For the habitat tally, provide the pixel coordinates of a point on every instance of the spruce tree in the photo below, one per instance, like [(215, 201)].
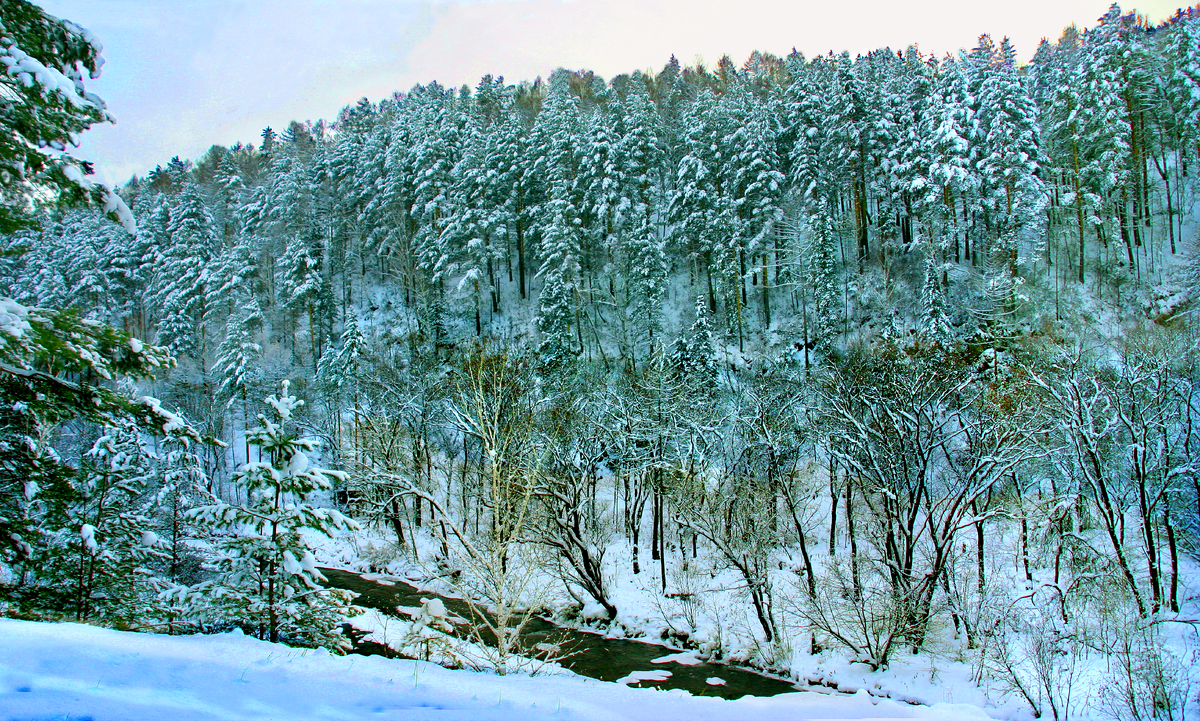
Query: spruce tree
[(559, 304), (266, 575), (109, 548)]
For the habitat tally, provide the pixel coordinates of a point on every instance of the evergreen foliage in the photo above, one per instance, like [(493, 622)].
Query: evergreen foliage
[(267, 579)]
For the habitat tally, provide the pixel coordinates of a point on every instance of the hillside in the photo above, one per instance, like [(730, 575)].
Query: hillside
[(875, 371)]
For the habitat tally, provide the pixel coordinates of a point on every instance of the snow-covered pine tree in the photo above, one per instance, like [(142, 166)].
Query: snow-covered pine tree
[(341, 367), (108, 549), (80, 358), (512, 161), (235, 275), (267, 578), (823, 279), (1009, 153), (934, 323), (341, 373), (642, 162), (472, 241), (236, 370), (699, 209), (230, 188), (951, 179), (300, 288), (436, 118), (1104, 129), (1183, 83), (45, 106), (692, 359), (601, 173), (54, 366), (759, 185), (181, 279), (562, 242)]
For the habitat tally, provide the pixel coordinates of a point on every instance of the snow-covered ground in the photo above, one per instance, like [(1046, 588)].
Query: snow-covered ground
[(75, 671)]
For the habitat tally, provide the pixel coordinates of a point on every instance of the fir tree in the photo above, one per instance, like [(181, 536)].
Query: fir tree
[(934, 322), (692, 358), (267, 577), (110, 546)]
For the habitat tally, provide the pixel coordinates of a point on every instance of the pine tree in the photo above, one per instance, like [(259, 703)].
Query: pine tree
[(1104, 129), (57, 367), (951, 178), (700, 208), (471, 243), (823, 278), (110, 548), (692, 358), (181, 279), (267, 577), (342, 370), (437, 132), (235, 275), (300, 288), (236, 368), (759, 185), (559, 304), (44, 106), (1009, 151), (934, 322), (641, 162), (1183, 81)]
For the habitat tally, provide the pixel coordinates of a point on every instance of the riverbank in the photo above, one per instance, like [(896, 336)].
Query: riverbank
[(70, 670)]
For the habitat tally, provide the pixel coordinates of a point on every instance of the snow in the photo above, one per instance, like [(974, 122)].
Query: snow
[(88, 533), (434, 607), (298, 464), (77, 671), (639, 676), (173, 422), (13, 318), (28, 70), (684, 658), (290, 564)]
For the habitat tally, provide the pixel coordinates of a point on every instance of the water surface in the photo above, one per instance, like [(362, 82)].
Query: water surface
[(589, 654)]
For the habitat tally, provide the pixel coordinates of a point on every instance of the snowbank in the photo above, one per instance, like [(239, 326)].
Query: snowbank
[(78, 671)]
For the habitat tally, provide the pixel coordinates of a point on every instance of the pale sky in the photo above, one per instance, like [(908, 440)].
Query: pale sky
[(182, 75)]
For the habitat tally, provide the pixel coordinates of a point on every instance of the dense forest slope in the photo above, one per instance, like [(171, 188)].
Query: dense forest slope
[(805, 363)]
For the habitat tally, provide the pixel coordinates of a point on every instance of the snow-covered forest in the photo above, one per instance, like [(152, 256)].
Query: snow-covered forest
[(878, 370)]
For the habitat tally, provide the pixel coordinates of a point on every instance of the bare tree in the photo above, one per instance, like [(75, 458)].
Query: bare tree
[(924, 445), (577, 524), (1131, 436)]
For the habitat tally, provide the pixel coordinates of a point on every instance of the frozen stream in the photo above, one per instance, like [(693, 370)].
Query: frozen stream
[(606, 659)]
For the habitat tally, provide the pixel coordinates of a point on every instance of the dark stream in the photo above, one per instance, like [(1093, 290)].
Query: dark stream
[(589, 654)]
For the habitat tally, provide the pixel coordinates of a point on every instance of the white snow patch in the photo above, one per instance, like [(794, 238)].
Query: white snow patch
[(88, 533), (685, 658), (640, 676)]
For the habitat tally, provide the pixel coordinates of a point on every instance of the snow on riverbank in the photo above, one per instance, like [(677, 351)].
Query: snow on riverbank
[(76, 671)]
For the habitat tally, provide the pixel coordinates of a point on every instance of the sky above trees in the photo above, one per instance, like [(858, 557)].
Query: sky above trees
[(181, 76)]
